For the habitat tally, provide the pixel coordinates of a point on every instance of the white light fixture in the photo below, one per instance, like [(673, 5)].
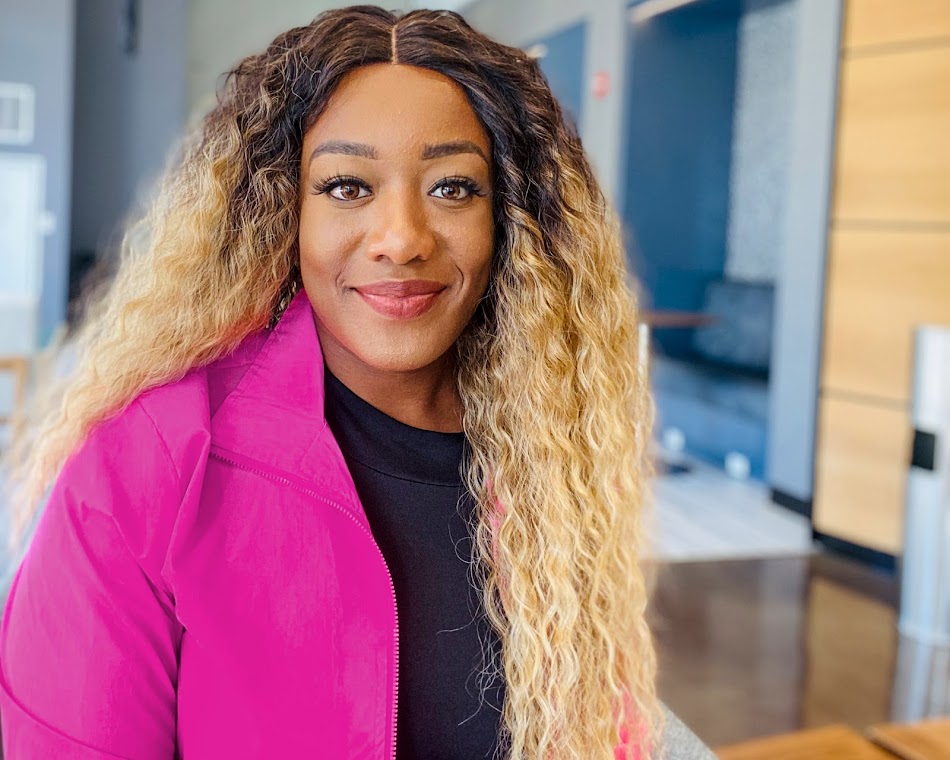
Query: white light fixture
[(538, 51), (650, 8)]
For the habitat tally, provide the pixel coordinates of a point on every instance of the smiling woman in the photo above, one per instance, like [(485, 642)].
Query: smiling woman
[(396, 236), (354, 461)]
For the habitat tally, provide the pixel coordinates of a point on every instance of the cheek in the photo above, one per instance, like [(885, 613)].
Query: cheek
[(323, 244), (476, 246), (469, 237)]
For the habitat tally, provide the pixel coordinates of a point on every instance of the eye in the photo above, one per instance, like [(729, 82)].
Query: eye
[(456, 189), (342, 188), (348, 191)]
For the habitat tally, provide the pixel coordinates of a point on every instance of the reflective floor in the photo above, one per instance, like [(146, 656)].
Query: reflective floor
[(703, 515), (752, 648)]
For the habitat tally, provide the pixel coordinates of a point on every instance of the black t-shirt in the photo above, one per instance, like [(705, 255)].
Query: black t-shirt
[(419, 509)]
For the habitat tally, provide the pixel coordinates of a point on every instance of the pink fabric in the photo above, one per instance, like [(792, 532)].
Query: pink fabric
[(206, 585), (203, 582)]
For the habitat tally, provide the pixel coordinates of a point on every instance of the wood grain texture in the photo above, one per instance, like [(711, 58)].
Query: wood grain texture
[(893, 157), (862, 458), (831, 743), (881, 285), (883, 22), (889, 259), (928, 740)]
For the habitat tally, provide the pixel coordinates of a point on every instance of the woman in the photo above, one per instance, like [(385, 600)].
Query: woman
[(377, 311)]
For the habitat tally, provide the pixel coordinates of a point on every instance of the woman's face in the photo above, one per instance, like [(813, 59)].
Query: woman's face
[(396, 228)]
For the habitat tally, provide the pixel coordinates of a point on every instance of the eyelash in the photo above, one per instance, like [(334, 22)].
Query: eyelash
[(470, 185), (324, 186)]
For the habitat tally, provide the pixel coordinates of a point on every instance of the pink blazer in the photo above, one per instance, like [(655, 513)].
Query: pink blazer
[(203, 582)]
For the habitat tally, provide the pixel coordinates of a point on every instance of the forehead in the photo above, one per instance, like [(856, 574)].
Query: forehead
[(396, 107)]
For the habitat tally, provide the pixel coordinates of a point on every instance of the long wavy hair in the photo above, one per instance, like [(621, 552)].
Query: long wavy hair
[(556, 407)]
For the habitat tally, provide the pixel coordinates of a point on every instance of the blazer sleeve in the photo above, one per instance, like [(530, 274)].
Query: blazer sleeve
[(89, 640)]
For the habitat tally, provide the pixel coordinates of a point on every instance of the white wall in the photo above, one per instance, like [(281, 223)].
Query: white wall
[(764, 81)]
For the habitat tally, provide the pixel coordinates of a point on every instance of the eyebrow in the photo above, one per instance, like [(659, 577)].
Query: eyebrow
[(440, 150), (453, 148), (345, 148)]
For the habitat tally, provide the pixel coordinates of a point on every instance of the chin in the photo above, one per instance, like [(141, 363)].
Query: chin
[(395, 356)]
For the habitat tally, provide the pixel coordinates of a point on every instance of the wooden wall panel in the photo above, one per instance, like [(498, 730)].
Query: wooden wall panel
[(888, 259), (861, 473), (881, 284), (893, 160), (881, 22)]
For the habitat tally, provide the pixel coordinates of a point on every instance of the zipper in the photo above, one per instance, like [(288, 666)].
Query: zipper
[(392, 586)]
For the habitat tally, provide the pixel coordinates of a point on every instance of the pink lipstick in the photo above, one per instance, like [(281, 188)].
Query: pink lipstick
[(401, 299)]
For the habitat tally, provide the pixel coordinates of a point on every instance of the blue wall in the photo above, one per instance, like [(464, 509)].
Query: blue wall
[(563, 65), (680, 99)]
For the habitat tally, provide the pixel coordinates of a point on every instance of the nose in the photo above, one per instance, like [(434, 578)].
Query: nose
[(401, 230)]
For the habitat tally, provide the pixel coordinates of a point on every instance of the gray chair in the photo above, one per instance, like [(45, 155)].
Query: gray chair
[(718, 395)]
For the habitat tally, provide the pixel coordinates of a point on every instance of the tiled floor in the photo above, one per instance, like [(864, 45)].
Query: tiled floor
[(705, 515)]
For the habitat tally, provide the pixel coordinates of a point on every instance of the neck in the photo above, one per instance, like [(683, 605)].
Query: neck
[(425, 398)]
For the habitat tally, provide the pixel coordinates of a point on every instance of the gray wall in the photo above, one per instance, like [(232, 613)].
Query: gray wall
[(764, 80), (796, 350), (221, 32), (36, 48), (523, 22), (130, 109)]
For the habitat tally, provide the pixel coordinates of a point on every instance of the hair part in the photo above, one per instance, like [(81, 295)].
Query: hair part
[(556, 407)]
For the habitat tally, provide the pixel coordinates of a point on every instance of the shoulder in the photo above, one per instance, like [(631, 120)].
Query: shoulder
[(140, 466), (130, 475), (177, 407), (176, 417)]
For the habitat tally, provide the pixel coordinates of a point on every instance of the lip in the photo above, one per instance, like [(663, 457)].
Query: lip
[(401, 299), (401, 288)]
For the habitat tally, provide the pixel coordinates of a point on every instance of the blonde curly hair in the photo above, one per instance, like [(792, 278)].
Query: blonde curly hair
[(556, 407)]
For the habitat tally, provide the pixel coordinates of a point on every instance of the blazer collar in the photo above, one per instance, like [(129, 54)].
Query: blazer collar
[(275, 414)]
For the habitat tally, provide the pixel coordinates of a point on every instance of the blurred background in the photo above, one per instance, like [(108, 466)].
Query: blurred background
[(782, 172)]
